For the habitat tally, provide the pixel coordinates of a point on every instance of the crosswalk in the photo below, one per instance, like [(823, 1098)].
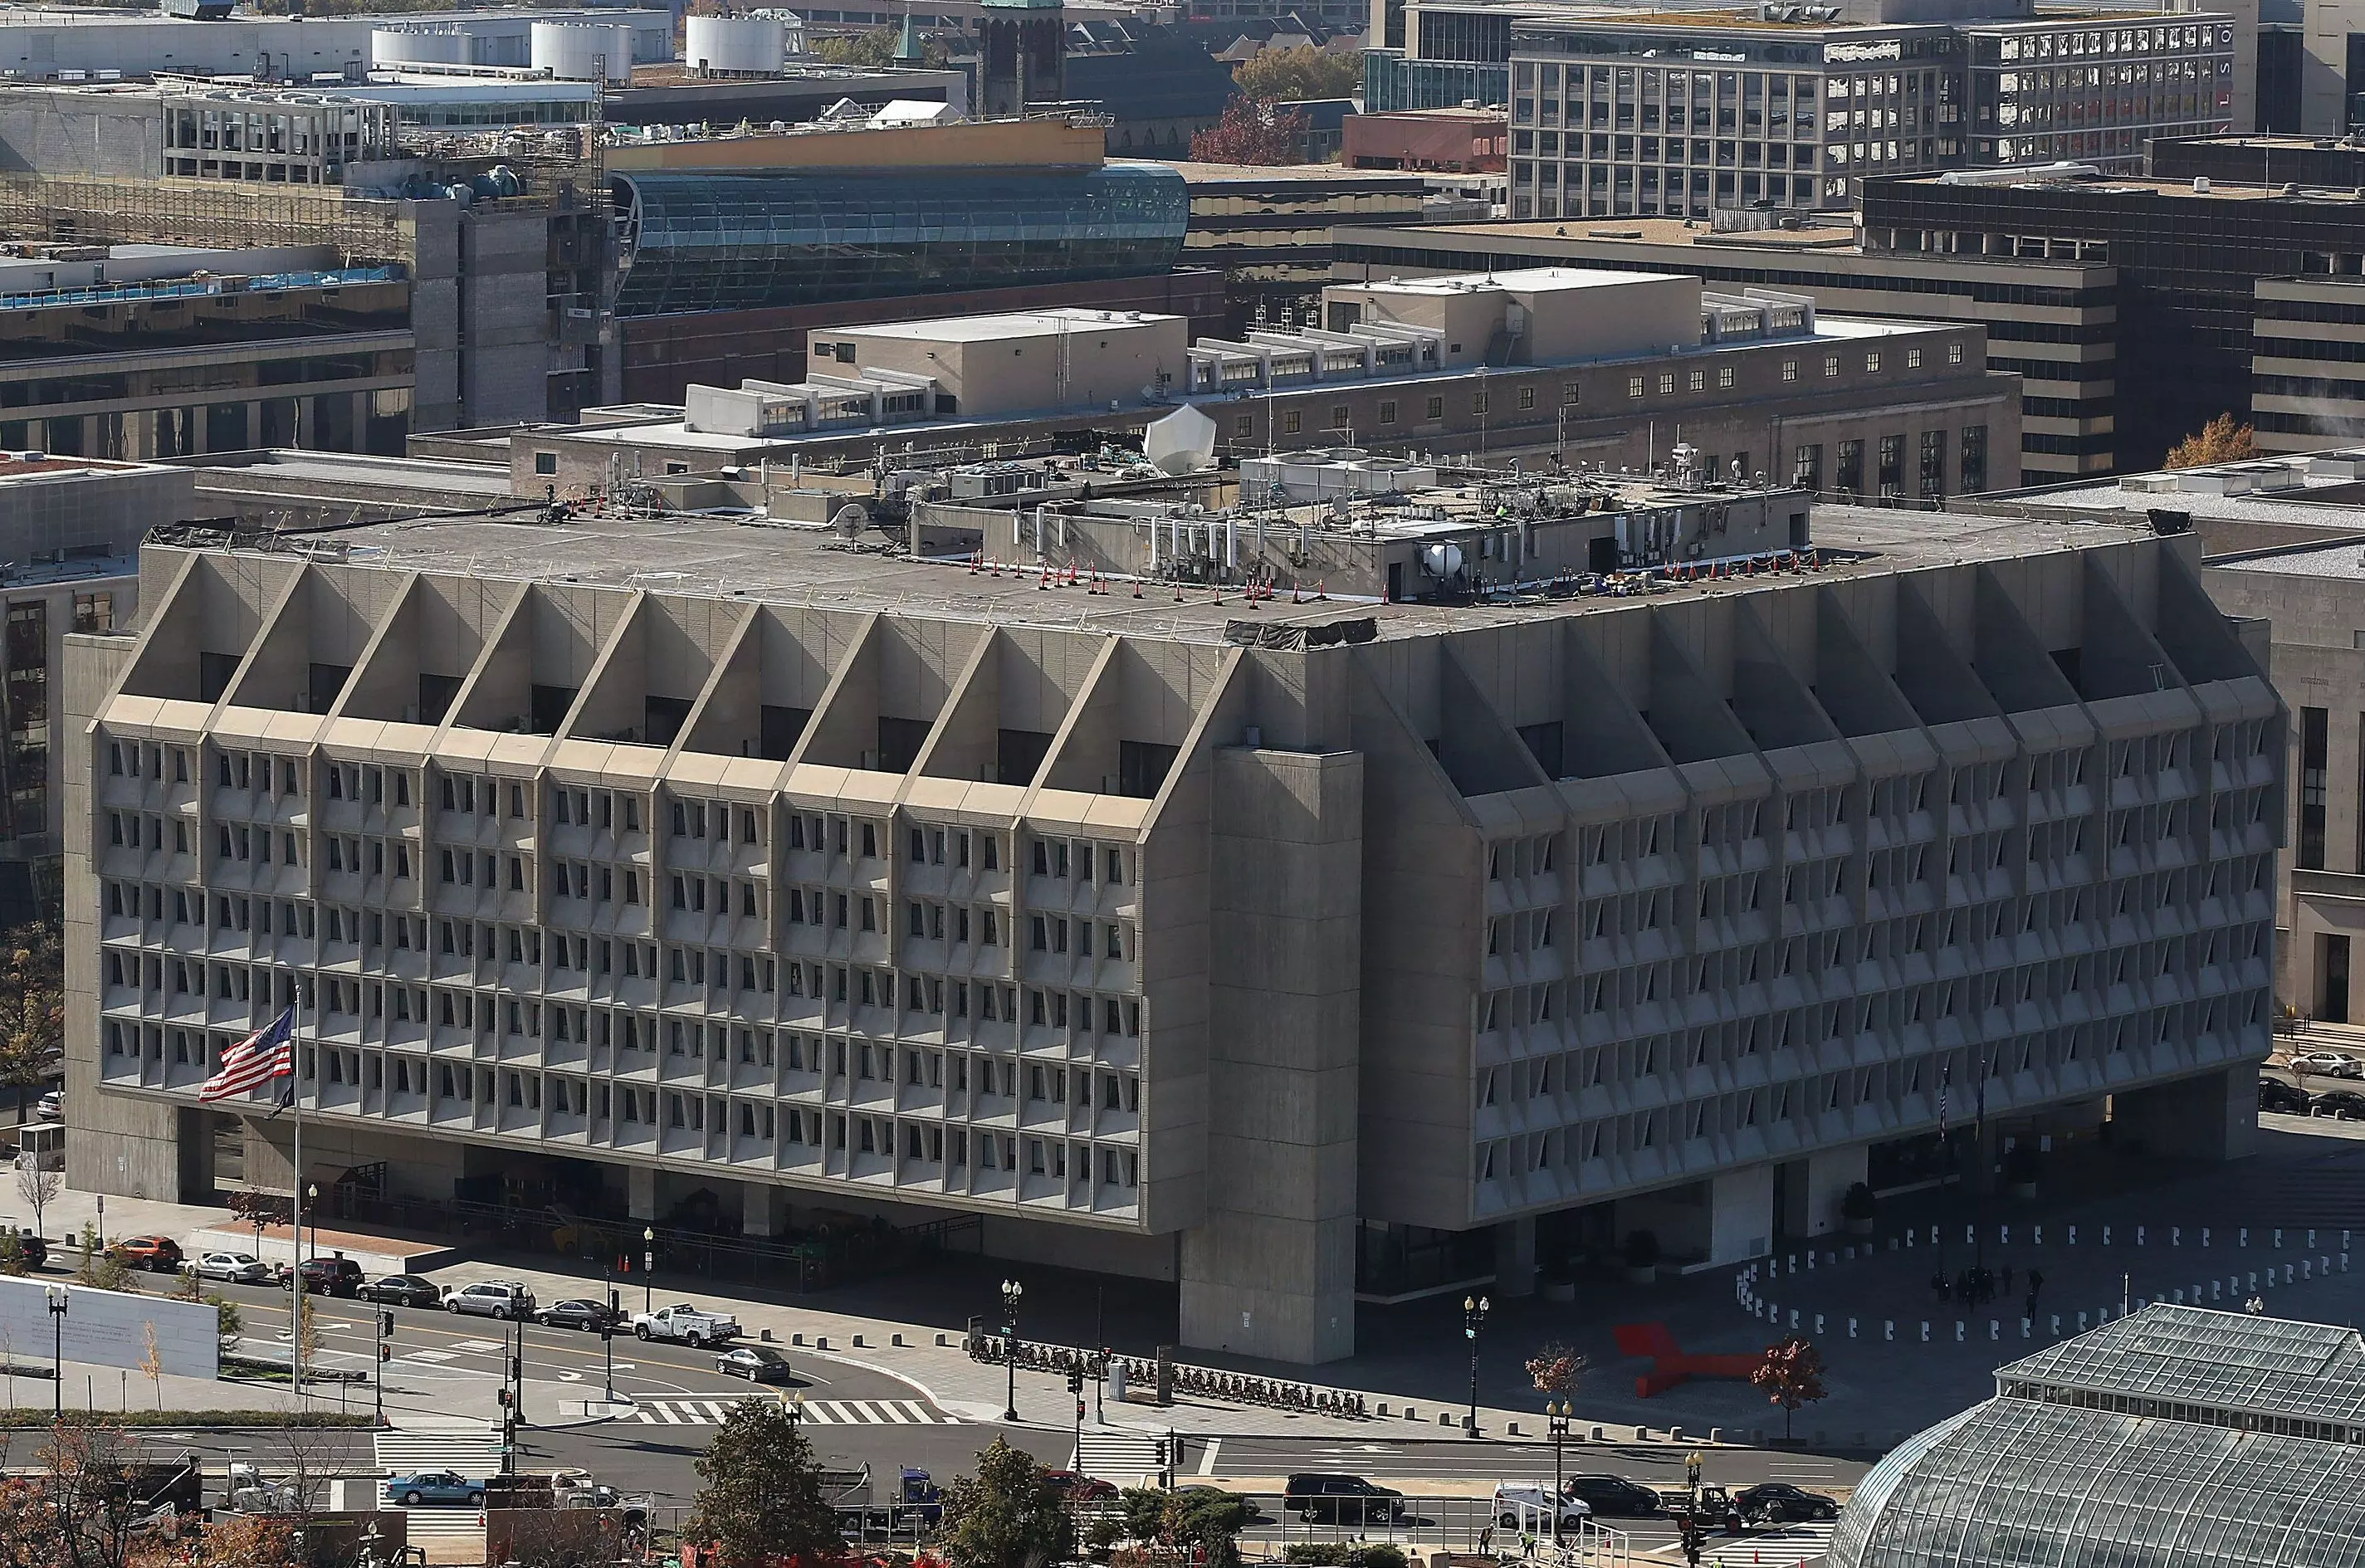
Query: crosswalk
[(1125, 1458), (475, 1451), (1783, 1548), (818, 1412)]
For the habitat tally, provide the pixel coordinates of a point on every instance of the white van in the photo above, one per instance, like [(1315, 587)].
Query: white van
[(1527, 1506)]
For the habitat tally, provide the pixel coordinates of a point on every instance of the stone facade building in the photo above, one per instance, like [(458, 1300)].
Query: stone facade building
[(1259, 963)]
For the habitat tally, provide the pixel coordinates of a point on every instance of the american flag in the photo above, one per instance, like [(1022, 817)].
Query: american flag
[(266, 1054), (1946, 1077)]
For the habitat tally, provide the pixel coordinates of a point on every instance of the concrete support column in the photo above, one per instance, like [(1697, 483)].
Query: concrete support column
[(763, 1209), (2214, 1117), (1271, 1272), (641, 1192), (1821, 1181), (1515, 1258), (1741, 1213)]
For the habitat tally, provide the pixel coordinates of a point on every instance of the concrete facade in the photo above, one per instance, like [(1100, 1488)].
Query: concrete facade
[(1162, 952)]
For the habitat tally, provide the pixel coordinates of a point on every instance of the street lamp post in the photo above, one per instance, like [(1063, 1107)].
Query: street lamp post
[(648, 1268), (1011, 1291), (58, 1302), (1473, 1317), (312, 1201), (1556, 1413)]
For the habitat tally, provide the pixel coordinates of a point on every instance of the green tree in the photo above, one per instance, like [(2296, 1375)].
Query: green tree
[(1304, 72), (32, 1007), (2219, 441), (1008, 1515), (230, 1324), (102, 1267), (759, 1496), (877, 49), (1199, 1526), (11, 1253)]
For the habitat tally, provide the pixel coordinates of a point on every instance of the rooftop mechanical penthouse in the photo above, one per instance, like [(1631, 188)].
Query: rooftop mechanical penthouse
[(633, 861)]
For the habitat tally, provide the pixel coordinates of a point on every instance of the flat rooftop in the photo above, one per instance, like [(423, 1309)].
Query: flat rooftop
[(722, 558), (17, 467), (1639, 231), (1213, 173), (1520, 280), (2139, 185), (1051, 322)]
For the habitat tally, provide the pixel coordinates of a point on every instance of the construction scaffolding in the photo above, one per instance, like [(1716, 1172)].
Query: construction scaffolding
[(99, 210)]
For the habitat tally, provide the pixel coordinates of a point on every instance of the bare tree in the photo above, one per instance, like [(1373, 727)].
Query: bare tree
[(85, 1491), (38, 1189)]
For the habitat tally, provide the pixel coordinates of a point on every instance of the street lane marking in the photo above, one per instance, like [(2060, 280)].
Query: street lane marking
[(1207, 1460)]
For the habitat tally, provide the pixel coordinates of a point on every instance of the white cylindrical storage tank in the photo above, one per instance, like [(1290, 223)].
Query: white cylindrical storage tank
[(741, 46), (575, 51), (418, 46)]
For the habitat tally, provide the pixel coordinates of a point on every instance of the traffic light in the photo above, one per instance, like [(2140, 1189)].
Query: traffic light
[(386, 1325), (1080, 1410), (1075, 1382), (504, 1397), (386, 1353)]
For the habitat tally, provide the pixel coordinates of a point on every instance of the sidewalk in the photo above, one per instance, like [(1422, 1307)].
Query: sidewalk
[(2307, 1174)]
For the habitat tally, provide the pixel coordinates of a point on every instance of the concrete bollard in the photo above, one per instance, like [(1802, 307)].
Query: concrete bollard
[(1970, 1235), (1411, 1414), (765, 1335), (1958, 1331), (1794, 1317), (1514, 1428), (1908, 1241), (2036, 1236), (895, 1341), (2055, 1329), (1716, 1434), (1811, 1262), (1888, 1329), (1443, 1419), (2310, 1241), (1925, 1330), (2081, 1323), (2073, 1236), (2026, 1327), (1794, 1262), (2176, 1236), (2307, 1268), (2254, 1279), (944, 1341), (1383, 1409), (2242, 1237), (1933, 1235), (1995, 1330), (2279, 1240), (1818, 1323), (796, 1338), (1596, 1434), (2214, 1286), (2106, 1236), (821, 1341), (2139, 1236), (1675, 1434), (858, 1344), (2204, 1236), (2003, 1235), (2287, 1273), (1851, 1327)]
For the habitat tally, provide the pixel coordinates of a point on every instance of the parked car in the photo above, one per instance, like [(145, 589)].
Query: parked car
[(433, 1486), (50, 1107), (330, 1276), (402, 1290), (1529, 1506), (1614, 1496), (1077, 1487), (157, 1254), (1328, 1498), (2274, 1094), (235, 1268), (757, 1363), (685, 1324), (2328, 1064), (2340, 1104), (36, 1250), (490, 1298), (580, 1312), (1778, 1501)]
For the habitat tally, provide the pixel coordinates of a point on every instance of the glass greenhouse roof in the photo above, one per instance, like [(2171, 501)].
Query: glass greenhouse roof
[(2228, 1362), (2015, 1484)]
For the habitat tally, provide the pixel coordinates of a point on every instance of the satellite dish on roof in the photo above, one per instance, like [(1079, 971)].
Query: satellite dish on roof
[(850, 521)]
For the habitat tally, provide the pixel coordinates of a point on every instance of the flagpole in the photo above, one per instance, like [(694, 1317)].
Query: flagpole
[(296, 1236)]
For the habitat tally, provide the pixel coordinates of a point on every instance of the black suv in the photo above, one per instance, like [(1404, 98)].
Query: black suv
[(1614, 1496), (330, 1276), (1330, 1499)]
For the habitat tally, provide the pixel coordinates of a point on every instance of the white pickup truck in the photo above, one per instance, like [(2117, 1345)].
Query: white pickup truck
[(687, 1324)]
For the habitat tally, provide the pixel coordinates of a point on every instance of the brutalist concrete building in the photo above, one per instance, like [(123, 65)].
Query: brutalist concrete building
[(1279, 952)]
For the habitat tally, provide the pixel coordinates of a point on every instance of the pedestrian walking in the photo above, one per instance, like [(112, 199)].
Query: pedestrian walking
[(2036, 1287), (1528, 1545), (1486, 1540)]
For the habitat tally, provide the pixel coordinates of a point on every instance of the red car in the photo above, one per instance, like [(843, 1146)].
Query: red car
[(1076, 1487), (159, 1254)]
